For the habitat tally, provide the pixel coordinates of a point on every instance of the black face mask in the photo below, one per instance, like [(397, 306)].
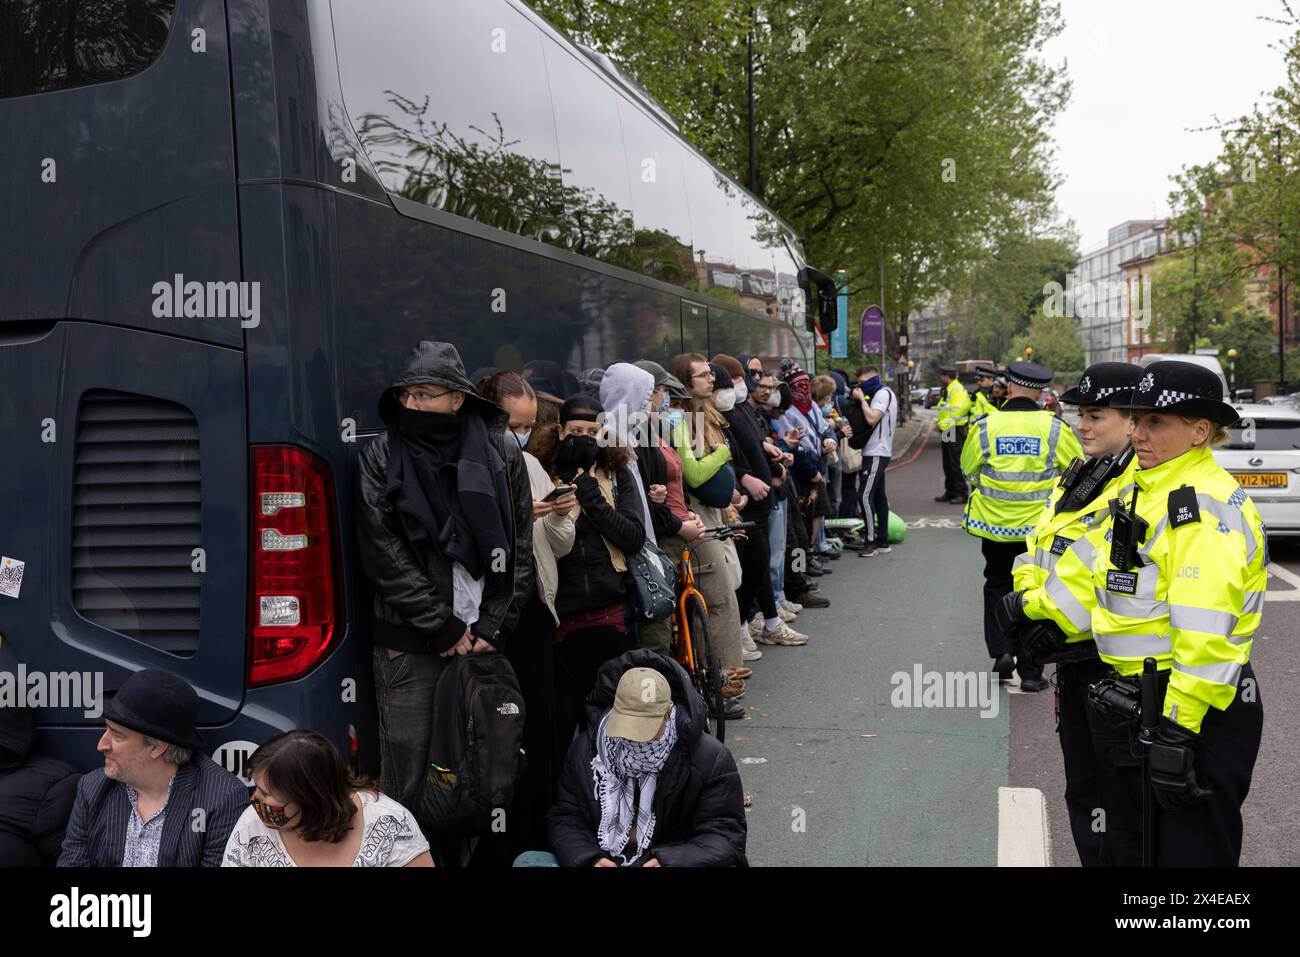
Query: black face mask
[(575, 452)]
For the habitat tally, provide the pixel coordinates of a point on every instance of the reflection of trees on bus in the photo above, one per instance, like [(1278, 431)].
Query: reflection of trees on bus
[(424, 161), (581, 317)]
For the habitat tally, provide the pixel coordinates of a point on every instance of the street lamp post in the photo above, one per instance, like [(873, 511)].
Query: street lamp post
[(1232, 374)]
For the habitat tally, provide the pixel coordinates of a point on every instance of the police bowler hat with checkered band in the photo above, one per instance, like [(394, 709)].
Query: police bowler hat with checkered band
[(1180, 388), (1101, 382), (1029, 375)]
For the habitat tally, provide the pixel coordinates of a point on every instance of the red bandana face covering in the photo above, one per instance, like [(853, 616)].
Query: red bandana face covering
[(801, 391)]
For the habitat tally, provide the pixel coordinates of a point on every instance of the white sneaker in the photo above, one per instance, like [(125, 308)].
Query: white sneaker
[(883, 549), (783, 634), (750, 654), (756, 625), (791, 606), (785, 616)]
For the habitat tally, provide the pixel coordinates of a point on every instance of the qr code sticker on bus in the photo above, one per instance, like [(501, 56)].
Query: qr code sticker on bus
[(11, 576)]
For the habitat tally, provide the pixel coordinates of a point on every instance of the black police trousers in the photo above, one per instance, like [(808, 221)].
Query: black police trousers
[(1081, 756), (998, 559), (1208, 834), (954, 483)]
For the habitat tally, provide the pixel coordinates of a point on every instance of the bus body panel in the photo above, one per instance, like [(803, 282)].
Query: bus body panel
[(75, 442), (142, 190)]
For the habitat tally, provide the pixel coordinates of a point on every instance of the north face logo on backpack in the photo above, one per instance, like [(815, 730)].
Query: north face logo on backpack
[(508, 708)]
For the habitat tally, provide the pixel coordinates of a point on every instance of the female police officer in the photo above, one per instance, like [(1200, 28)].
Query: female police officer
[(1050, 610), (1182, 580)]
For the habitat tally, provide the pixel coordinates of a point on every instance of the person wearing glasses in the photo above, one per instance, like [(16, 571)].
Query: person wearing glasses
[(444, 529), (308, 811)]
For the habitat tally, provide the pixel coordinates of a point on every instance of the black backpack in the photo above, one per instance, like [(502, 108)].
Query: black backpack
[(476, 756), (862, 429)]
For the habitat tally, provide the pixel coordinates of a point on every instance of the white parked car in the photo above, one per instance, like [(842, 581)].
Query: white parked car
[(1263, 455)]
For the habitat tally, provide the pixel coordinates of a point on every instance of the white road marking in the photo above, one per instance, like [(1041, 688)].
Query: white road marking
[(1022, 828), (1290, 577), (934, 521)]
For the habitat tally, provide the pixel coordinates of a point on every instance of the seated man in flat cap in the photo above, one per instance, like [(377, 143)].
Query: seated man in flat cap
[(159, 801)]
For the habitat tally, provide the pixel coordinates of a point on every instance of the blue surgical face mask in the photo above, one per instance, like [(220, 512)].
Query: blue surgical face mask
[(522, 437), (826, 409), (675, 417), (664, 406)]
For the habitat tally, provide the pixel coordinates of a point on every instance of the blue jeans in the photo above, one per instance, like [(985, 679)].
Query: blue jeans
[(776, 542)]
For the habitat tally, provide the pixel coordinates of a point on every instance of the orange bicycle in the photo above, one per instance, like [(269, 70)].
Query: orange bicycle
[(691, 645)]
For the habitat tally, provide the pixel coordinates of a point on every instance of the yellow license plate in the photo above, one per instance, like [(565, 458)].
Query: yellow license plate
[(1260, 479)]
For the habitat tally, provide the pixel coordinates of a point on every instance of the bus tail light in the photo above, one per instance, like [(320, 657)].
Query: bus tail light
[(293, 583)]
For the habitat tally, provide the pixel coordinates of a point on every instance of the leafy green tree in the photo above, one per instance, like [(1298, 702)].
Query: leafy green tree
[(1251, 333), (1055, 341), (916, 134)]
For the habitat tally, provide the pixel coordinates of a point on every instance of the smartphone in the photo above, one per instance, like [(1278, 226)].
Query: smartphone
[(560, 490)]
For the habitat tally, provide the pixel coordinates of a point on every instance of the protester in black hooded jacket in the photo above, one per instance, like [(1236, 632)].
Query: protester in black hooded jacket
[(699, 803), (36, 795), (444, 509)]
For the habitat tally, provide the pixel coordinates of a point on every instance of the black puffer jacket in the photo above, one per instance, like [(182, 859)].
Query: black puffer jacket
[(699, 803), (413, 596), (36, 795)]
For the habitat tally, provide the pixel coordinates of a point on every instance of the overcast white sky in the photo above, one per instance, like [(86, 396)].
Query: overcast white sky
[(1144, 73)]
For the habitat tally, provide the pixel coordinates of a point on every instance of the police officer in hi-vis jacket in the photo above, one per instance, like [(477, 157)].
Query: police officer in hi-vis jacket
[(1012, 457), (1050, 611), (1182, 580)]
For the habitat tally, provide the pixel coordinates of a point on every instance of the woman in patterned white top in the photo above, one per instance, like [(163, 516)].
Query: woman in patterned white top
[(308, 811)]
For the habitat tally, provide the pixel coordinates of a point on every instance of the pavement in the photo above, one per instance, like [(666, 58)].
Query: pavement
[(844, 769)]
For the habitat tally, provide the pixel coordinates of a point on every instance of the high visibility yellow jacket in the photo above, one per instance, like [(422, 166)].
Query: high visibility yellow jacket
[(1197, 599), (953, 407), (1012, 458), (980, 405), (1056, 573)]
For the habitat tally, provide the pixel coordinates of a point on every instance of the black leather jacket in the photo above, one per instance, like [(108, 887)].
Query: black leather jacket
[(412, 605)]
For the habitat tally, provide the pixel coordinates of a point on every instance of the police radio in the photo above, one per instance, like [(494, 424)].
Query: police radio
[(1083, 480), (1128, 530)]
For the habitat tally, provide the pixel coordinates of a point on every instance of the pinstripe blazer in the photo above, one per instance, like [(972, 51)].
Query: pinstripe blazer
[(96, 835)]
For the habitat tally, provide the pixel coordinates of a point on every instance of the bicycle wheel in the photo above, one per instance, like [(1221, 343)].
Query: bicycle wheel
[(708, 673)]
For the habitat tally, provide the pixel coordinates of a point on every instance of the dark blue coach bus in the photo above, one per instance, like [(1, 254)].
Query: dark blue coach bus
[(223, 223)]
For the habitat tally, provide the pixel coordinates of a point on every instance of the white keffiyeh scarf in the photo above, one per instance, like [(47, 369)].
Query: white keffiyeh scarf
[(618, 767)]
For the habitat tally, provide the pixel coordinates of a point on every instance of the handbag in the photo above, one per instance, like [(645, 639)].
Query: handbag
[(850, 458), (654, 579), (718, 490)]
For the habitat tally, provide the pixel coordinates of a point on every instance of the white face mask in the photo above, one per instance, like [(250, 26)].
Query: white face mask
[(774, 399), (742, 391), (725, 400)]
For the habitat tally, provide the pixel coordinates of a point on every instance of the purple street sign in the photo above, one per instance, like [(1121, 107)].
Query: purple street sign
[(873, 331)]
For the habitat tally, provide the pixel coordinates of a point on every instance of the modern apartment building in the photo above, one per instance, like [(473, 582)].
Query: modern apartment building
[(1097, 292)]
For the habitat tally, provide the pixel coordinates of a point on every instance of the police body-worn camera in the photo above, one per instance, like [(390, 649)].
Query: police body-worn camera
[(1128, 530)]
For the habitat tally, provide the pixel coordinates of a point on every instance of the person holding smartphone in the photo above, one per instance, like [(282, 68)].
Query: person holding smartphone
[(591, 597)]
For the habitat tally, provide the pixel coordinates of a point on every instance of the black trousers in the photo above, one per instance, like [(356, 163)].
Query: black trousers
[(1209, 834), (872, 500), (798, 545), (848, 495), (1082, 758), (577, 659), (755, 592), (954, 483), (998, 559)]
